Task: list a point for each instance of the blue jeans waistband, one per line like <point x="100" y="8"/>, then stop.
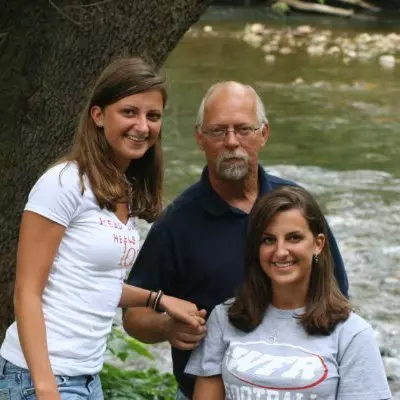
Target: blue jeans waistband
<point x="7" y="367"/>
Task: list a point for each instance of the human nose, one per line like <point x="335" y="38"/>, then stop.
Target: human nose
<point x="141" y="123"/>
<point x="231" y="139"/>
<point x="281" y="249"/>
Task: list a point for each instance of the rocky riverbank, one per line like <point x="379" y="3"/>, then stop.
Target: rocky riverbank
<point x="348" y="48"/>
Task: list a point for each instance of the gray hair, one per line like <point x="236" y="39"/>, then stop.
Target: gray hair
<point x="260" y="108"/>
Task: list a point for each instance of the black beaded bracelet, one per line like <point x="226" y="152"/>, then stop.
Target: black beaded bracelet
<point x="157" y="300"/>
<point x="149" y="298"/>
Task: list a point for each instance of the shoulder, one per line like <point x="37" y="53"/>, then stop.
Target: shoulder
<point x="65" y="174"/>
<point x="353" y="326"/>
<point x="184" y="201"/>
<point x="354" y="323"/>
<point x="219" y="314"/>
<point x="182" y="205"/>
<point x="275" y="181"/>
<point x="57" y="194"/>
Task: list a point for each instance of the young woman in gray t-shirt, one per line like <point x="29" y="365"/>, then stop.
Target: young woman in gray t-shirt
<point x="289" y="334"/>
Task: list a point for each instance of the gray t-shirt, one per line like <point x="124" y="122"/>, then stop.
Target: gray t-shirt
<point x="280" y="361"/>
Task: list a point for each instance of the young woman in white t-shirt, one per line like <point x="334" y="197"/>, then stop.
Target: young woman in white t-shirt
<point x="78" y="236"/>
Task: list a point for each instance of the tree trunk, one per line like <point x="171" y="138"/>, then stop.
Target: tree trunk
<point x="50" y="52"/>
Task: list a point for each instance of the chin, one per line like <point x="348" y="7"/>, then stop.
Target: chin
<point x="135" y="155"/>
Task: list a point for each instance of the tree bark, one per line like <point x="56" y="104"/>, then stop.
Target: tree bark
<point x="50" y="53"/>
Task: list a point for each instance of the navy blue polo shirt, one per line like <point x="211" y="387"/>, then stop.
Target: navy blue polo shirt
<point x="195" y="251"/>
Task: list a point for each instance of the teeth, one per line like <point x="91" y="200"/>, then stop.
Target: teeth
<point x="137" y="139"/>
<point x="283" y="265"/>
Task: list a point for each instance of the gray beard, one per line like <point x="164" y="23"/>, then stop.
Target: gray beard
<point x="233" y="172"/>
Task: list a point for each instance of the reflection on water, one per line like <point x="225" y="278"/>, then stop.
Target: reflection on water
<point x="335" y="131"/>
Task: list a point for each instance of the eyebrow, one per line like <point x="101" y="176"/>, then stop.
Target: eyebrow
<point x="129" y="106"/>
<point x="265" y="233"/>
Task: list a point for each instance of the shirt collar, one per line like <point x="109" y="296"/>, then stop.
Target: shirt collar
<point x="215" y="205"/>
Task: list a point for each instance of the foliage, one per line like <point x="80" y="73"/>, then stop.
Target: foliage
<point x="121" y="345"/>
<point x="137" y="385"/>
<point x="119" y="384"/>
<point x="280" y="7"/>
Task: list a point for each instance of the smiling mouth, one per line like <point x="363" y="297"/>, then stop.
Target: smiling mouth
<point x="137" y="139"/>
<point x="283" y="264"/>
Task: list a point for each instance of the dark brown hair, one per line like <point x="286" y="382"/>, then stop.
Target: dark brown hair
<point x="90" y="149"/>
<point x="325" y="304"/>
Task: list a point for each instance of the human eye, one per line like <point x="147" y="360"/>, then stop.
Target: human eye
<point x="216" y="132"/>
<point x="267" y="239"/>
<point x="129" y="112"/>
<point x="244" y="130"/>
<point x="294" y="237"/>
<point x="154" y="116"/>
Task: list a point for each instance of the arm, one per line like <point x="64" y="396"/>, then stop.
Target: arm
<point x="38" y="243"/>
<point x="156" y="269"/>
<point x="361" y="371"/>
<point x="209" y="388"/>
<point x="205" y="362"/>
<point x="180" y="310"/>
<point x="149" y="326"/>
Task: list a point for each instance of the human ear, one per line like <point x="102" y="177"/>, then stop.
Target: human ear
<point x="199" y="139"/>
<point x="97" y="115"/>
<point x="265" y="133"/>
<point x="319" y="243"/>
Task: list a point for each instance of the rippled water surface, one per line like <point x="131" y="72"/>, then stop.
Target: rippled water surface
<point x="336" y="132"/>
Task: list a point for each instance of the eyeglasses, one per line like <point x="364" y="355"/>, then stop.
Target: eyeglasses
<point x="240" y="131"/>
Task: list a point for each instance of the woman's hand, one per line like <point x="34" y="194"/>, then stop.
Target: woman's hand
<point x="50" y="393"/>
<point x="183" y="311"/>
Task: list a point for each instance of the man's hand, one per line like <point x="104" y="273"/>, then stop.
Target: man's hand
<point x="184" y="336"/>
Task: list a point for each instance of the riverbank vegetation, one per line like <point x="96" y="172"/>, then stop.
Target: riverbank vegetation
<point x="126" y="384"/>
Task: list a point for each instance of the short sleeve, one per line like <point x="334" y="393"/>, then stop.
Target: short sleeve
<point x="206" y="359"/>
<point x="56" y="195"/>
<point x="361" y="370"/>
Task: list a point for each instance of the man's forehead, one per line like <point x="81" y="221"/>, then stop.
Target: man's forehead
<point x="230" y="102"/>
<point x="229" y="89"/>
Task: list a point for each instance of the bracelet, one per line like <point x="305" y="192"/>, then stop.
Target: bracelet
<point x="149" y="298"/>
<point x="157" y="300"/>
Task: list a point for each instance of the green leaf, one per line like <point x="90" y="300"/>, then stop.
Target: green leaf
<point x="139" y="348"/>
<point x="137" y="385"/>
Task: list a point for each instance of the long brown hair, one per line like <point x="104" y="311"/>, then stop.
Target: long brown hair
<point x="325" y="304"/>
<point x="90" y="149"/>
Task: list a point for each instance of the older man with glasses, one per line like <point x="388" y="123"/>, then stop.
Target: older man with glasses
<point x="195" y="250"/>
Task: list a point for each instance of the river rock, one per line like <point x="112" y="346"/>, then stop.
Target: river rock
<point x="257" y="29"/>
<point x="387" y="61"/>
<point x="270" y="58"/>
<point x="303" y="30"/>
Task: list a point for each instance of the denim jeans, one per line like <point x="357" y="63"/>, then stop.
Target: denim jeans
<point x="16" y="384"/>
<point x="179" y="396"/>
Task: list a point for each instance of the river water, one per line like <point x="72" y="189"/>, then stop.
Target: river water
<point x="335" y="129"/>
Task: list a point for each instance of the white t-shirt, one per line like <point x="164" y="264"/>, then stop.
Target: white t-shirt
<point x="280" y="361"/>
<point x="85" y="281"/>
